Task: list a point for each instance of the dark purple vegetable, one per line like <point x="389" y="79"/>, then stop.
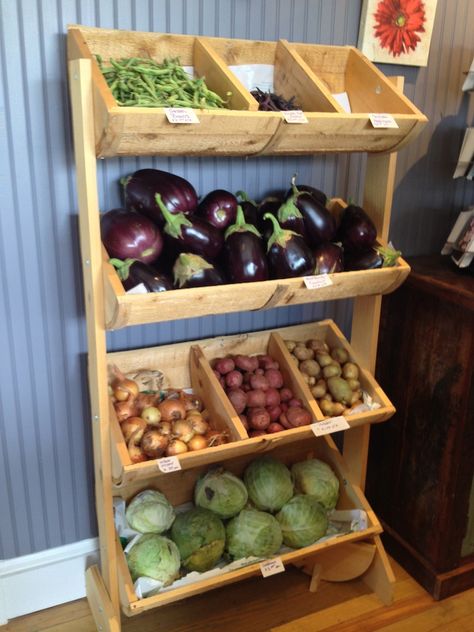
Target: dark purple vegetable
<point x="243" y="252"/>
<point x="356" y="230"/>
<point x="318" y="195"/>
<point x="288" y="253"/>
<point x="289" y="217"/>
<point x="177" y="194"/>
<point x="128" y="235"/>
<point x="219" y="208"/>
<point x="191" y="234"/>
<point x="132" y="272"/>
<point x="191" y="270"/>
<point x="269" y="204"/>
<point x="371" y="259"/>
<point x="272" y="102"/>
<point x="328" y="258"/>
<point x="249" y="207"/>
<point x="320" y="224"/>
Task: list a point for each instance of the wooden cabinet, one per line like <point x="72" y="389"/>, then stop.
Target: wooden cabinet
<point x="421" y="463"/>
<point x="102" y="128"/>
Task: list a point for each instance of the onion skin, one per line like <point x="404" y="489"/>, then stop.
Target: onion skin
<point x="154" y="444"/>
<point x="126" y="409"/>
<point x="176" y="447"/>
<point x="172" y="409"/>
<point x="131" y="426"/>
<point x="199" y="442"/>
<point x="128" y="235"/>
<point x="124" y="389"/>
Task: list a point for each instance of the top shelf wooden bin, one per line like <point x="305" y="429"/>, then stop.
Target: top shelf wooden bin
<point x="312" y="73"/>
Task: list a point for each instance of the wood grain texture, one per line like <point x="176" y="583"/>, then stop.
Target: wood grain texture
<point x="281" y="603"/>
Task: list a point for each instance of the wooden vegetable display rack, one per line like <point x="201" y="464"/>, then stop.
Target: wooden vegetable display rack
<point x="101" y="128"/>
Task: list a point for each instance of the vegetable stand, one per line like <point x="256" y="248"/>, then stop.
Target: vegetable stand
<point x="102" y="128"/>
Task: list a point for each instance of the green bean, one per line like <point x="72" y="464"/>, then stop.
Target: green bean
<point x="144" y="82"/>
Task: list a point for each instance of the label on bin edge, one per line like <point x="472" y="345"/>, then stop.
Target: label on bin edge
<point x="272" y="567"/>
<point x="294" y="116"/>
<point x="328" y="426"/>
<point x="181" y="115"/>
<point x="169" y="464"/>
<point x="383" y="121"/>
<point x="316" y="281"/>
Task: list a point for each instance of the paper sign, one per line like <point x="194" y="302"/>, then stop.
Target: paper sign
<point x="382" y="121"/>
<point x="294" y="116"/>
<point x="317" y="281"/>
<point x="169" y="464"/>
<point x="328" y="426"/>
<point x="181" y="115"/>
<point x="272" y="567"/>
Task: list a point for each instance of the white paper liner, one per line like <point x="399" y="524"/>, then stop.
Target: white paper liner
<point x="341" y="522"/>
<point x="368" y="403"/>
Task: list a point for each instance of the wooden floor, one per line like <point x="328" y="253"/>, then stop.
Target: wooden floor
<point x="280" y="604"/>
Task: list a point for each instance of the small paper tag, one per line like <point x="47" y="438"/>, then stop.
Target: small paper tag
<point x="138" y="289"/>
<point x="272" y="567"/>
<point x="181" y="115"/>
<point x="169" y="464"/>
<point x="294" y="116"/>
<point x="382" y="121"/>
<point x="328" y="426"/>
<point x="317" y="281"/>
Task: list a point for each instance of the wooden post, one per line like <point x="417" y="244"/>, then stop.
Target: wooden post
<point x="378" y="196"/>
<point x="91" y="256"/>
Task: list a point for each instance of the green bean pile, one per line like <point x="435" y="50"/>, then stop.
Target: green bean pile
<point x="145" y="83"/>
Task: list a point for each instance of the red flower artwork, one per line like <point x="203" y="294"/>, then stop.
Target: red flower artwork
<point x="397" y="24"/>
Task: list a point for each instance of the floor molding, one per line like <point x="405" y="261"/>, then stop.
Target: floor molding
<point x="45" y="579"/>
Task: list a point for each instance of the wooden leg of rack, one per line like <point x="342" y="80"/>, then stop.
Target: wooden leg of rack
<point x="341" y="563"/>
<point x="379" y="577"/>
<point x="101" y="607"/>
<point x="315" y="578"/>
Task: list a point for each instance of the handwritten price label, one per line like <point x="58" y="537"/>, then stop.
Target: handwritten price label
<point x="328" y="426"/>
<point x="317" y="281"/>
<point x="185" y="116"/>
<point x="294" y="116"/>
<point x="383" y="121"/>
<point x="169" y="464"/>
<point x="272" y="567"/>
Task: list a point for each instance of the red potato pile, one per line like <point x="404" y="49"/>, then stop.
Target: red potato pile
<point x="255" y="388"/>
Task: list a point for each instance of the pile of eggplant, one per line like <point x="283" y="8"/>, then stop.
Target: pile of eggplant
<point x="166" y="238"/>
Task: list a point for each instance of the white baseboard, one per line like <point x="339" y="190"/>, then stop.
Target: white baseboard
<point x="45" y="579"/>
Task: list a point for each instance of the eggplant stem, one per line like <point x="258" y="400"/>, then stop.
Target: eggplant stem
<point x="280" y="235"/>
<point x="173" y="221"/>
<point x="240" y="225"/>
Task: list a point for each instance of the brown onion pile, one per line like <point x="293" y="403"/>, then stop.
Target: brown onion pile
<point x="255" y="387"/>
<point x="155" y="425"/>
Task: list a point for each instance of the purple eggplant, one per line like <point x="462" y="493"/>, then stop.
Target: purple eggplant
<point x="320" y="224"/>
<point x="356" y="231"/>
<point x="318" y="195"/>
<point x="289" y="217"/>
<point x="191" y="270"/>
<point x="130" y="235"/>
<point x="372" y="258"/>
<point x="287" y="252"/>
<point x="190" y="234"/>
<point x="243" y="252"/>
<point x="177" y="194"/>
<point x="132" y="273"/>
<point x="249" y="207"/>
<point x="218" y="208"/>
<point x="328" y="258"/>
<point x="269" y="204"/>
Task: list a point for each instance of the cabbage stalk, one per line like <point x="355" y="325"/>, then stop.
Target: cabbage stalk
<point x="221" y="492"/>
<point x="303" y="521"/>
<point x="150" y="512"/>
<point x="200" y="537"/>
<point x="268" y="483"/>
<point x="154" y="556"/>
<point x="317" y="479"/>
<point x="253" y="533"/>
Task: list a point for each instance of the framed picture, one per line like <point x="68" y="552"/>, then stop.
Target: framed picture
<point x="397" y="31"/>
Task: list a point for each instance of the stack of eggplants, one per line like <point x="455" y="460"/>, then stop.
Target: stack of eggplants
<point x="167" y="238"/>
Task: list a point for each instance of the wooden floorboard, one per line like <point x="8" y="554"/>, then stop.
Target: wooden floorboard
<point x="280" y="603"/>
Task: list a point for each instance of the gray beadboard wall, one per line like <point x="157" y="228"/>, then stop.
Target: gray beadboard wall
<point x="46" y="490"/>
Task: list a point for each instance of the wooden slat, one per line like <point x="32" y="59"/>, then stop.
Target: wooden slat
<point x="103" y="612"/>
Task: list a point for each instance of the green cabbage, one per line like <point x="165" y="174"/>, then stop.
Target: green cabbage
<point x="221" y="492"/>
<point x="150" y="512"/>
<point x="154" y="556"/>
<point x="317" y="479"/>
<point x="253" y="533"/>
<point x="200" y="537"/>
<point x="268" y="483"/>
<point x="303" y="521"/>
